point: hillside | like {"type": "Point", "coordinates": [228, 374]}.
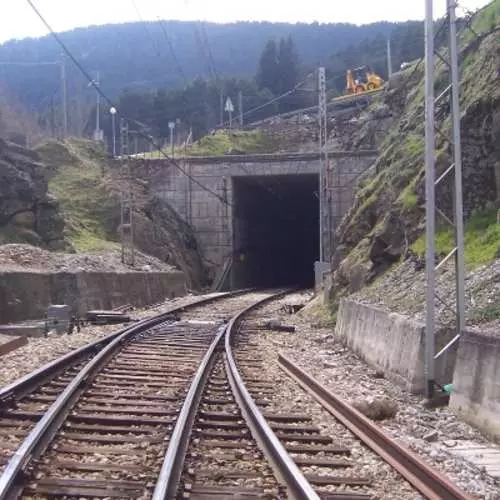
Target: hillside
{"type": "Point", "coordinates": [384, 228]}
{"type": "Point", "coordinates": [144, 60]}
{"type": "Point", "coordinates": [88, 196]}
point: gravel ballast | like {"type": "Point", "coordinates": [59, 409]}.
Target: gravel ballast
{"type": "Point", "coordinates": [39, 351]}
{"type": "Point", "coordinates": [431, 433]}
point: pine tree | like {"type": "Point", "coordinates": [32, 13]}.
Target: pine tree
{"type": "Point", "coordinates": [268, 72]}
{"type": "Point", "coordinates": [288, 65]}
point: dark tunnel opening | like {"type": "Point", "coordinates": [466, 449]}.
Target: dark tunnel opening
{"type": "Point", "coordinates": [275, 230]}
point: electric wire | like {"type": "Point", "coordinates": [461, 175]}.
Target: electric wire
{"type": "Point", "coordinates": [172, 51]}
{"type": "Point", "coordinates": [110, 103]}
{"type": "Point", "coordinates": [209, 50]}
{"type": "Point", "coordinates": [146, 29]}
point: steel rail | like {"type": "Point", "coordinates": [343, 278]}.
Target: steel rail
{"type": "Point", "coordinates": [298, 486]}
{"type": "Point", "coordinates": [48, 425]}
{"type": "Point", "coordinates": [31, 381]}
{"type": "Point", "coordinates": [429, 482]}
{"type": "Point", "coordinates": [173, 462]}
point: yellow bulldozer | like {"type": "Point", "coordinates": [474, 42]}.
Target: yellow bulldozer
{"type": "Point", "coordinates": [361, 80]}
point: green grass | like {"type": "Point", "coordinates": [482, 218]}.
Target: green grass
{"type": "Point", "coordinates": [413, 145]}
{"type": "Point", "coordinates": [408, 198]}
{"type": "Point", "coordinates": [482, 239]}
{"type": "Point", "coordinates": [84, 240]}
{"type": "Point", "coordinates": [251, 142]}
{"type": "Point", "coordinates": [484, 22]}
{"type": "Point", "coordinates": [77, 180]}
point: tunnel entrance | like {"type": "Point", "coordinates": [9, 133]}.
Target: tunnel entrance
{"type": "Point", "coordinates": [275, 230]}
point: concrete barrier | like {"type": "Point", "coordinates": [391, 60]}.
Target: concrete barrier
{"type": "Point", "coordinates": [26, 295]}
{"type": "Point", "coordinates": [392, 343]}
{"type": "Point", "coordinates": [476, 381]}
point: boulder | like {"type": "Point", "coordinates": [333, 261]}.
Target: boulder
{"type": "Point", "coordinates": [28, 213]}
{"type": "Point", "coordinates": [17, 191]}
{"type": "Point", "coordinates": [376, 408]}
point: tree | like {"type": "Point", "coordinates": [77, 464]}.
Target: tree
{"type": "Point", "coordinates": [288, 70]}
{"type": "Point", "coordinates": [288, 65]}
{"type": "Point", "coordinates": [268, 72]}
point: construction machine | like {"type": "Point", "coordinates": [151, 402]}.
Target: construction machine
{"type": "Point", "coordinates": [363, 79]}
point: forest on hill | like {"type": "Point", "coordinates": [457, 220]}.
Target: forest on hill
{"type": "Point", "coordinates": [179, 68]}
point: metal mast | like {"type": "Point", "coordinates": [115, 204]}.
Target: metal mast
{"type": "Point", "coordinates": [450, 59]}
{"type": "Point", "coordinates": [324, 250]}
{"type": "Point", "coordinates": [126, 202]}
{"type": "Point", "coordinates": [64, 98]}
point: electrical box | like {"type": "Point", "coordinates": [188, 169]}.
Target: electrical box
{"type": "Point", "coordinates": [58, 318]}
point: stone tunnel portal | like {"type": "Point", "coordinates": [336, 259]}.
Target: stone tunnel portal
{"type": "Point", "coordinates": [275, 230]}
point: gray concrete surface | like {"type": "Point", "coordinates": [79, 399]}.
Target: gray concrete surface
{"type": "Point", "coordinates": [390, 342]}
{"type": "Point", "coordinates": [26, 295]}
{"type": "Point", "coordinates": [476, 381]}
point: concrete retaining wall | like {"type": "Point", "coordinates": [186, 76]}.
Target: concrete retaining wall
{"type": "Point", "coordinates": [390, 342]}
{"type": "Point", "coordinates": [26, 295]}
{"type": "Point", "coordinates": [476, 381]}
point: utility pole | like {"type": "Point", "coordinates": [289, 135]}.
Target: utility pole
{"type": "Point", "coordinates": [97, 132]}
{"type": "Point", "coordinates": [240, 108]}
{"type": "Point", "coordinates": [229, 108]}
{"type": "Point", "coordinates": [126, 202]}
{"type": "Point", "coordinates": [432, 210]}
{"type": "Point", "coordinates": [171, 126]}
{"type": "Point", "coordinates": [389, 56]}
{"type": "Point", "coordinates": [64, 98]}
{"type": "Point", "coordinates": [324, 237]}
{"type": "Point", "coordinates": [221, 98]}
{"type": "Point", "coordinates": [112, 112]}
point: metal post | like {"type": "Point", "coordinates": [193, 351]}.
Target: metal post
{"type": "Point", "coordinates": [430, 207]}
{"type": "Point", "coordinates": [389, 57]}
{"type": "Point", "coordinates": [136, 144]}
{"type": "Point", "coordinates": [64, 98]}
{"type": "Point", "coordinates": [240, 108]}
{"type": "Point", "coordinates": [112, 111]}
{"type": "Point", "coordinates": [127, 204]}
{"type": "Point", "coordinates": [171, 126]}
{"type": "Point", "coordinates": [457, 160]}
{"type": "Point", "coordinates": [97, 109]}
{"type": "Point", "coordinates": [322, 147]}
{"type": "Point", "coordinates": [450, 59]}
{"type": "Point", "coordinates": [221, 97]}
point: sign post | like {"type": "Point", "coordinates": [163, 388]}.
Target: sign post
{"type": "Point", "coordinates": [171, 126]}
{"type": "Point", "coordinates": [229, 108]}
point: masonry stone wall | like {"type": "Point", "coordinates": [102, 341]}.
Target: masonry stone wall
{"type": "Point", "coordinates": [201, 189]}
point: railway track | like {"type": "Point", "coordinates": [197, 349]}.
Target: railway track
{"type": "Point", "coordinates": [327, 460]}
{"type": "Point", "coordinates": [176, 409]}
{"type": "Point", "coordinates": [69, 390]}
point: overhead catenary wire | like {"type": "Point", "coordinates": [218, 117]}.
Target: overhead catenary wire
{"type": "Point", "coordinates": [111, 104]}
{"type": "Point", "coordinates": [172, 50]}
{"type": "Point", "coordinates": [136, 122]}
{"type": "Point", "coordinates": [146, 29]}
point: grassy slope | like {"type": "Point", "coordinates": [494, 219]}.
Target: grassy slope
{"type": "Point", "coordinates": [254, 141]}
{"type": "Point", "coordinates": [78, 182]}
{"type": "Point", "coordinates": [482, 239]}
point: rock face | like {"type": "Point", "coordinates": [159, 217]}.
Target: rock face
{"type": "Point", "coordinates": [28, 212]}
{"type": "Point", "coordinates": [162, 233]}
{"type": "Point", "coordinates": [388, 213]}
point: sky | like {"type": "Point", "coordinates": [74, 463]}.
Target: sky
{"type": "Point", "coordinates": [17, 19]}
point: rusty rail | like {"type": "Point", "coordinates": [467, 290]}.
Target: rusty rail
{"type": "Point", "coordinates": [428, 481]}
{"type": "Point", "coordinates": [298, 486]}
